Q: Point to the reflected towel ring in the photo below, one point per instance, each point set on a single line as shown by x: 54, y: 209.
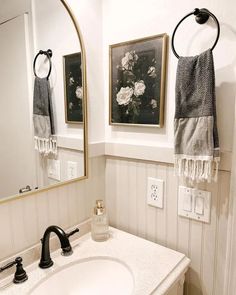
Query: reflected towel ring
x: 48, y: 53
x: 201, y: 17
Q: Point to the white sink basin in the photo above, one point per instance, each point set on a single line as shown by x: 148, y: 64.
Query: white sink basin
x: 92, y: 276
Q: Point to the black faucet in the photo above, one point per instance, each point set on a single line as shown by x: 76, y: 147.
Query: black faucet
x: 20, y: 274
x: 46, y: 261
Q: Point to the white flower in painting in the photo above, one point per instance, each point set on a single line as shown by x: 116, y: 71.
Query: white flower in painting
x: 139, y: 88
x: 152, y: 72
x: 124, y: 96
x: 71, y: 81
x: 128, y: 60
x: 153, y: 103
x: 79, y: 92
x: 125, y: 62
x: 70, y: 105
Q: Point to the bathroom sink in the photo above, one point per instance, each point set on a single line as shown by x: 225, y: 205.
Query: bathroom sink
x: 98, y: 275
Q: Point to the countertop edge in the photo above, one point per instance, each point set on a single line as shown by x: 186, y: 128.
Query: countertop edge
x: 178, y: 272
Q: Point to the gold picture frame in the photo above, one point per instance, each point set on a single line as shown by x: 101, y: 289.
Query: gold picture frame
x: 85, y: 122
x: 137, y: 79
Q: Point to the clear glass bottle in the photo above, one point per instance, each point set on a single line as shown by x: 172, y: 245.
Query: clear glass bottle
x: 99, y: 224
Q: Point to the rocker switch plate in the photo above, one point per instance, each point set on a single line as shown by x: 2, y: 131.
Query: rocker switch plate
x: 187, y: 200
x: 194, y: 204
x: 54, y: 169
x: 199, y: 205
x: 72, y: 170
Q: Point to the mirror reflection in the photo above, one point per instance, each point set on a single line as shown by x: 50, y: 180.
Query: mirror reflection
x: 41, y: 102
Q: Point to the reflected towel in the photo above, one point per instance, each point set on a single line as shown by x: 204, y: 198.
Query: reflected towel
x: 45, y: 142
x: 196, y: 137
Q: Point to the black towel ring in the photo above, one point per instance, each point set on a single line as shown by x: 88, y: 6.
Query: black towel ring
x: 201, y: 17
x: 48, y: 53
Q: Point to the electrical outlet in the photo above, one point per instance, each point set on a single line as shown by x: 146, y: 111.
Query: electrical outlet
x: 155, y: 192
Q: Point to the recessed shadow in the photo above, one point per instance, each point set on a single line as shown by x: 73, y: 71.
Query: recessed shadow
x: 139, y: 129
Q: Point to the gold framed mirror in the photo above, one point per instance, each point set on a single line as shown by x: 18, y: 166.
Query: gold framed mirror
x: 26, y: 31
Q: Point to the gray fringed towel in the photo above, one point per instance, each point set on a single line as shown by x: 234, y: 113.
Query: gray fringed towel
x: 196, y: 137
x: 45, y: 142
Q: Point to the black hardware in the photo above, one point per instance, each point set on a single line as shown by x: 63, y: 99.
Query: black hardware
x: 48, y: 53
x: 25, y: 189
x: 72, y: 232
x: 20, y: 274
x: 46, y: 261
x: 201, y: 16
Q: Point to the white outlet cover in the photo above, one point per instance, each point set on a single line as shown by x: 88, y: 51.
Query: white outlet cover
x: 155, y: 192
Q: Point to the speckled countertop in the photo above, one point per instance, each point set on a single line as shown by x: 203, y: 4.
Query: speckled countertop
x: 155, y: 268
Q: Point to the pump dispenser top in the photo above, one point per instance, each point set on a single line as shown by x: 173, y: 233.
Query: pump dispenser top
x: 99, y: 224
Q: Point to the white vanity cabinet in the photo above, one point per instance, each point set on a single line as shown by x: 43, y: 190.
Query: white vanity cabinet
x: 177, y: 288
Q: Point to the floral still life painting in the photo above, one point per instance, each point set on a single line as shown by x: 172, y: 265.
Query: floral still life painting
x: 137, y: 81
x: 73, y: 88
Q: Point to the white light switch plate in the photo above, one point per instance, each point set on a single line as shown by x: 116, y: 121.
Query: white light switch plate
x: 72, y: 170
x: 194, y: 204
x: 54, y: 169
x: 155, y: 192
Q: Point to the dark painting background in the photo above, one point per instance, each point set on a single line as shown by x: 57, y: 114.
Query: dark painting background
x: 73, y: 69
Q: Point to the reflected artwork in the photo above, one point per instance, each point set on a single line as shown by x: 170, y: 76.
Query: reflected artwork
x: 73, y: 88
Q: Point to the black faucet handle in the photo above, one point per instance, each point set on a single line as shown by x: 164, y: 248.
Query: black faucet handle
x: 10, y: 264
x: 76, y: 230
x: 20, y: 274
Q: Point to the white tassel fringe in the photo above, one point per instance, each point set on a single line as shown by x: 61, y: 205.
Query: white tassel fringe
x: 197, y: 170
x: 45, y: 146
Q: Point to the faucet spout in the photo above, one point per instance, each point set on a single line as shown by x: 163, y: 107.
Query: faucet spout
x: 46, y: 261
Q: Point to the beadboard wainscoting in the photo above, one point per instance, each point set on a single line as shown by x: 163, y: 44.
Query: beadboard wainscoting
x: 23, y: 221
x: 204, y: 244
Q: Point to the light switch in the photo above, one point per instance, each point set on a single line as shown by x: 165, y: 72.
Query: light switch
x: 199, y: 205
x: 194, y: 203
x: 72, y: 170
x: 54, y: 169
x: 187, y: 201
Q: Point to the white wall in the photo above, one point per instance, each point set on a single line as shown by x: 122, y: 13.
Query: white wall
x: 15, y: 113
x: 12, y: 8
x: 54, y: 29
x: 231, y: 241
x: 89, y: 17
x: 127, y: 20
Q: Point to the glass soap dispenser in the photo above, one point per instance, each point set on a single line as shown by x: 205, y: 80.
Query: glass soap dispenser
x: 99, y: 225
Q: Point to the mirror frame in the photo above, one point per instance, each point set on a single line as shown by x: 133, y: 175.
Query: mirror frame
x: 85, y: 118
